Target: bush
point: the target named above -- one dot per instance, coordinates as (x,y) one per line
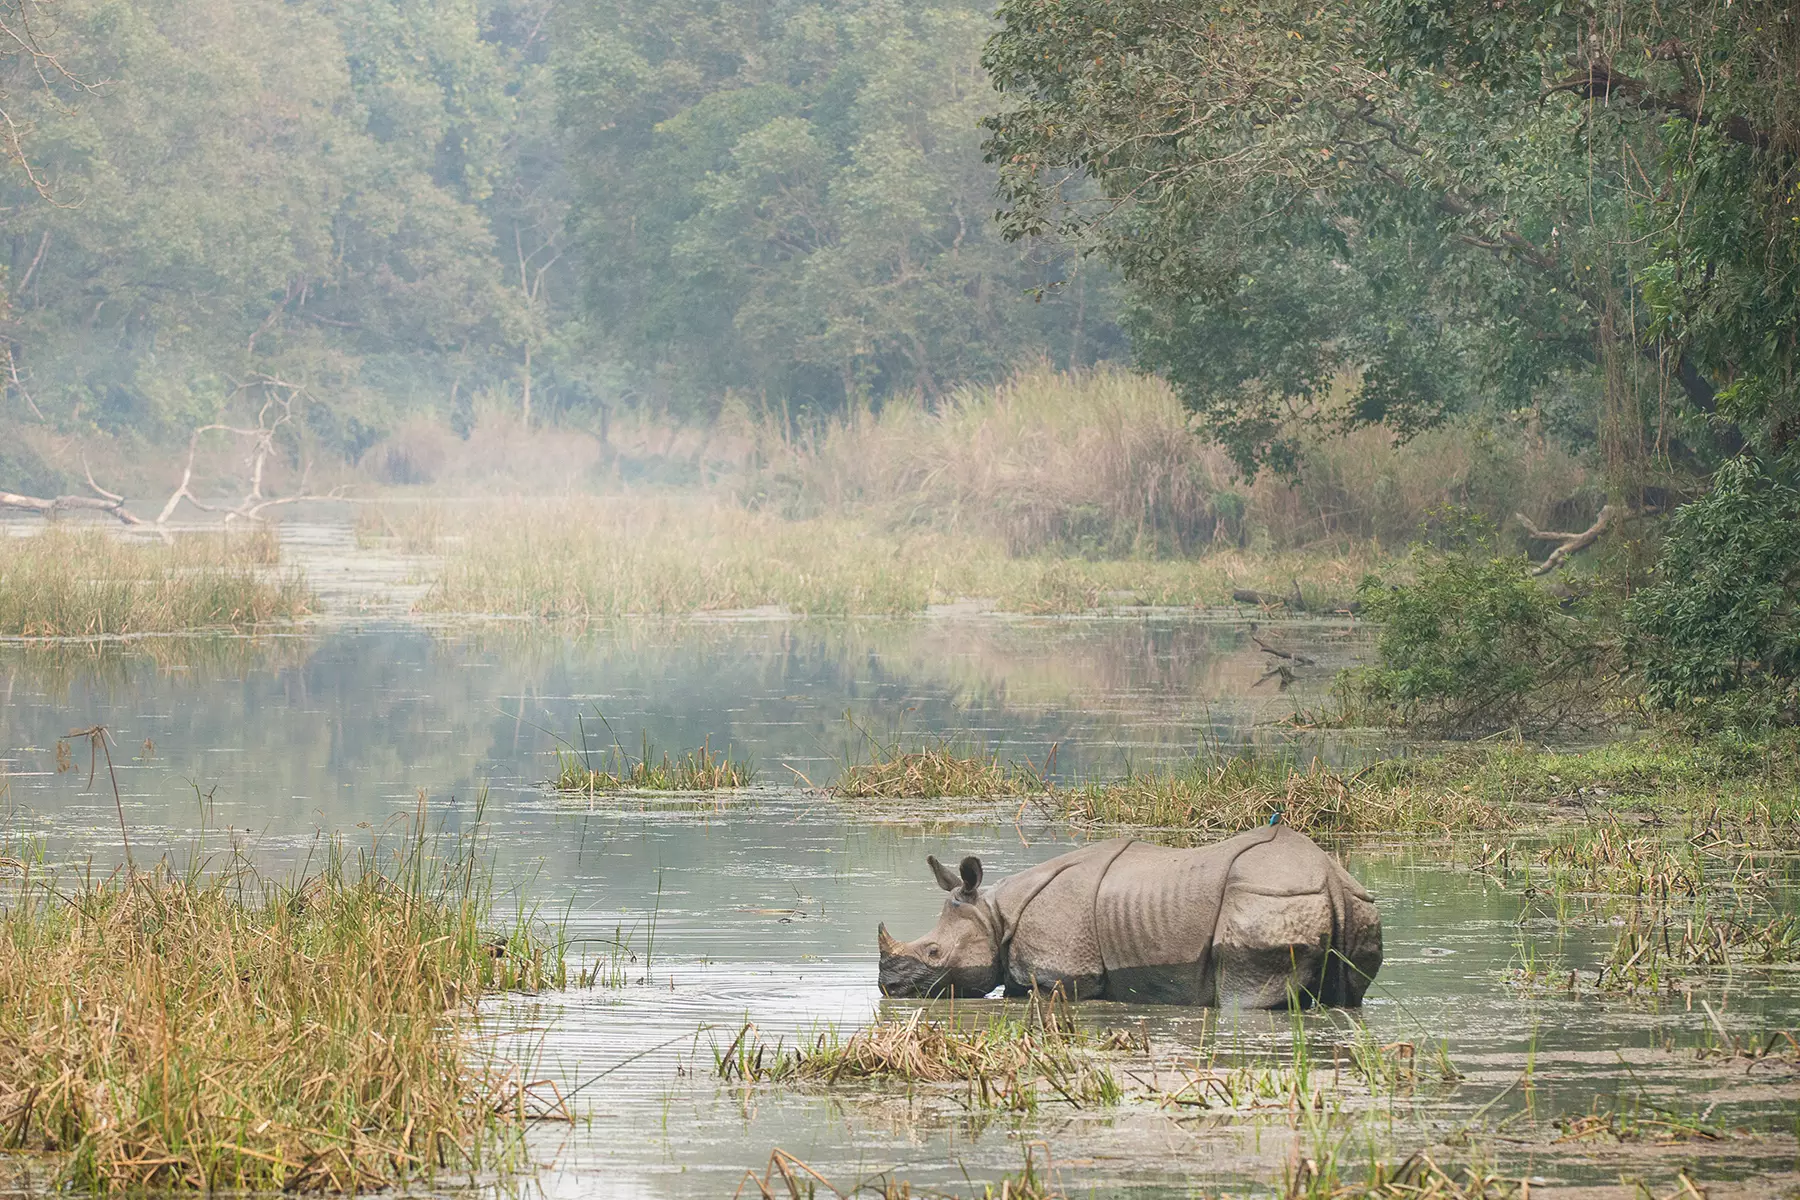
(1717,636)
(1477,643)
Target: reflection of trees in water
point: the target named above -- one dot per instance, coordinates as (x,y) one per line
(342,727)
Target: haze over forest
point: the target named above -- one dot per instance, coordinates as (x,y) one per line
(405,205)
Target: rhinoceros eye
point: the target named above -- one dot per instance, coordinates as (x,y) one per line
(932,952)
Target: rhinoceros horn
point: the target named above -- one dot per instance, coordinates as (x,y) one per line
(886,940)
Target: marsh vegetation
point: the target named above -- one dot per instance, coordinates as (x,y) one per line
(85,583)
(208,1027)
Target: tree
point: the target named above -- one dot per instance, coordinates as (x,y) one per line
(789,199)
(1452,199)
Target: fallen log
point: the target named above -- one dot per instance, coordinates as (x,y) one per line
(106,502)
(1572,543)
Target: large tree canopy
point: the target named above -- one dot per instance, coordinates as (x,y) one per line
(1458,203)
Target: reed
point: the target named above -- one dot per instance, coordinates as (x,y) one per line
(789,1177)
(409,528)
(695,771)
(213,1029)
(1213,795)
(1419,1177)
(1107,462)
(586,559)
(89,583)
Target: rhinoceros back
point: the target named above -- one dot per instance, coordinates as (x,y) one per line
(1157,915)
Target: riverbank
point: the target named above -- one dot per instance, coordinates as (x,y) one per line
(208,1028)
(90,583)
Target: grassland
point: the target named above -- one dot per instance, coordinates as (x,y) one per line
(214,1030)
(90,583)
(1047,493)
(587,559)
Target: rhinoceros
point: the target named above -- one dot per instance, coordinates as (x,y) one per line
(1260,920)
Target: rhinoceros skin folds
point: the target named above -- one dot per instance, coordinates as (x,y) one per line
(1261,920)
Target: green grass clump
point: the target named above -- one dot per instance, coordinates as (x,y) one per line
(88,583)
(1214,796)
(696,771)
(212,1031)
(934,772)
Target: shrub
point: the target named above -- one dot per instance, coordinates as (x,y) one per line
(1717,635)
(1475,643)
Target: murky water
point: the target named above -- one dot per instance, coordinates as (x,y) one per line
(762,907)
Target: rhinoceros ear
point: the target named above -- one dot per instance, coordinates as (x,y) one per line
(946,878)
(971,875)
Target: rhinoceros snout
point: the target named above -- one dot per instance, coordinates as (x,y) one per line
(902,974)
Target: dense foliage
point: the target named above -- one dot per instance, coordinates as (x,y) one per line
(1718,633)
(397,206)
(1476,643)
(328,194)
(788,198)
(1524,206)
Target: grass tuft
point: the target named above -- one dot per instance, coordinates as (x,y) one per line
(217,1030)
(1010,1062)
(88,583)
(936,771)
(696,771)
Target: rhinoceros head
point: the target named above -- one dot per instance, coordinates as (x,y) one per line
(961,954)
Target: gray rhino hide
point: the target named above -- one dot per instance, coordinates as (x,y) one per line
(1242,923)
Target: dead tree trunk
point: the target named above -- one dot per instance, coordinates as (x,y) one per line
(1572,543)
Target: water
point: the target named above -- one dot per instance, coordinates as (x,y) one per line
(762,907)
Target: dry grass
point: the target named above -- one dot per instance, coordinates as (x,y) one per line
(409,528)
(1010,1062)
(1418,1178)
(211,1031)
(1212,795)
(591,558)
(89,583)
(938,770)
(1107,462)
(789,1177)
(1104,461)
(1225,795)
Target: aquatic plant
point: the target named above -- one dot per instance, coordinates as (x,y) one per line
(1639,1120)
(788,1175)
(1219,794)
(936,770)
(91,583)
(1419,1177)
(695,771)
(210,1028)
(410,528)
(1008,1062)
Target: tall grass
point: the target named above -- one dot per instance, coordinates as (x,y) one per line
(1107,463)
(589,558)
(89,583)
(218,1030)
